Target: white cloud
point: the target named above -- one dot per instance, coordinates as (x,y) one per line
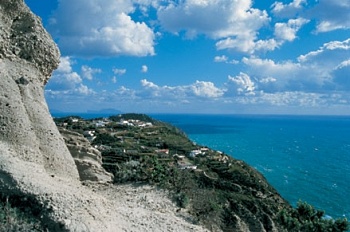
(343,64)
(268,67)
(222,58)
(64,78)
(65,65)
(88,72)
(234,23)
(83,89)
(287,31)
(240,85)
(206,89)
(114,79)
(332,15)
(266,45)
(282,76)
(120,72)
(100,28)
(149,85)
(340,75)
(325,69)
(329,54)
(65,81)
(200,89)
(267,80)
(144,69)
(288,10)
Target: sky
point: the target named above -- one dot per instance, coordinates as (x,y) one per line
(199,56)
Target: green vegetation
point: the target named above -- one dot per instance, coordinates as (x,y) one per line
(17,218)
(214,188)
(306,218)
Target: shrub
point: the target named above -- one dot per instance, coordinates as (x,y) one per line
(306,218)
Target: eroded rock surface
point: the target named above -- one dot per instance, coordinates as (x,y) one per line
(87,158)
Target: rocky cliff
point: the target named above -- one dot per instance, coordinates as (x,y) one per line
(35,165)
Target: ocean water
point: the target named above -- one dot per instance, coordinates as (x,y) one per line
(304,157)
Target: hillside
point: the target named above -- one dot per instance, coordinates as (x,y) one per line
(56,182)
(217,190)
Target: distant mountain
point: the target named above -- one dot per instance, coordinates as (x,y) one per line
(87,114)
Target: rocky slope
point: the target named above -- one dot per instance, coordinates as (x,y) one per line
(217,190)
(35,165)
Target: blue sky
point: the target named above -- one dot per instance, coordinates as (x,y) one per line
(200,56)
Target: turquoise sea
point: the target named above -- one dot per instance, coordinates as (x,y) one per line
(304,157)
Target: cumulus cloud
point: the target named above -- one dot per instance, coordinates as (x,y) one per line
(88,72)
(327,58)
(201,89)
(282,76)
(287,31)
(65,65)
(144,68)
(206,89)
(234,23)
(288,10)
(149,85)
(240,85)
(222,58)
(100,28)
(64,78)
(266,45)
(316,71)
(65,81)
(332,15)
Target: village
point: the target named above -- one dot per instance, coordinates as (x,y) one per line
(129,138)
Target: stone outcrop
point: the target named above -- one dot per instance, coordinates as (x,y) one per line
(87,158)
(35,163)
(27,58)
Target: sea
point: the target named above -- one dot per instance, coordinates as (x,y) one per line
(305,158)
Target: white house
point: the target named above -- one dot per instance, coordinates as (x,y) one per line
(194,153)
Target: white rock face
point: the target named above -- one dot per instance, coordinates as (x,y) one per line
(87,159)
(27,58)
(35,163)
